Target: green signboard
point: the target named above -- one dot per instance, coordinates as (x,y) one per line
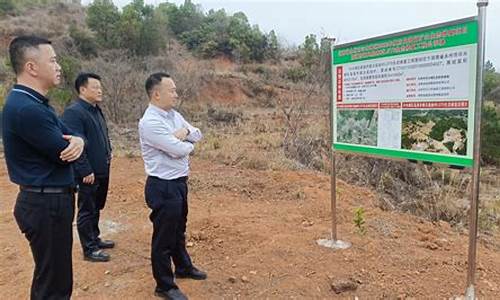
(408,95)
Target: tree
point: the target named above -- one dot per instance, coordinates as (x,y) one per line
(273,49)
(239,36)
(139,28)
(153,33)
(142,29)
(129,25)
(488,67)
(103,17)
(248,42)
(211,38)
(491,79)
(490,131)
(257,42)
(309,52)
(232,36)
(185,18)
(83,40)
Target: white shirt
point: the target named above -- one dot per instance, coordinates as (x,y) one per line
(164,155)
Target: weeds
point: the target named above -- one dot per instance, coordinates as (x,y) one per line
(359,220)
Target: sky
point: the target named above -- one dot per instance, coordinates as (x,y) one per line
(351,20)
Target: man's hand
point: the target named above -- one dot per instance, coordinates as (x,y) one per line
(181,134)
(74,149)
(89,179)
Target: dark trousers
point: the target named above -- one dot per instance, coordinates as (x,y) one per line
(91,200)
(46,221)
(168,202)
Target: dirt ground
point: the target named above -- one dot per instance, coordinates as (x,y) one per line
(255,234)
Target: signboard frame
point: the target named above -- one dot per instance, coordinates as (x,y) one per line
(395,49)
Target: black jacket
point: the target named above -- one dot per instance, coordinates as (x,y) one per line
(32,138)
(88,122)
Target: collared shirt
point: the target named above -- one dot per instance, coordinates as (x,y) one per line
(32,138)
(165,156)
(88,121)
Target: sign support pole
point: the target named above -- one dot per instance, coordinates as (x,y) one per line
(474,197)
(333,242)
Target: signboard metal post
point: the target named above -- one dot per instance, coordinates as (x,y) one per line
(474,208)
(333,242)
(333,180)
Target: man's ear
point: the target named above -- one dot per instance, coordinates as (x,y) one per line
(31,68)
(156,94)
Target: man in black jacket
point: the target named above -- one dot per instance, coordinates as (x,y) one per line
(39,150)
(85,117)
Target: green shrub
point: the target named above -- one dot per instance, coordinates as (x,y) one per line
(84,41)
(3,94)
(7,6)
(59,98)
(490,131)
(296,74)
(70,68)
(359,220)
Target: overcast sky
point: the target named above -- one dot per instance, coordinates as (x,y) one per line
(351,20)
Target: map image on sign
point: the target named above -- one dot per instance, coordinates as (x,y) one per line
(435,131)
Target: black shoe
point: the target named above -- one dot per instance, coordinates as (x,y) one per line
(192,273)
(96,256)
(172,294)
(105,244)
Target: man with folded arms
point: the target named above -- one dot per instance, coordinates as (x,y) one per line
(39,150)
(166,142)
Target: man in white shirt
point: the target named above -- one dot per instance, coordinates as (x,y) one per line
(166,142)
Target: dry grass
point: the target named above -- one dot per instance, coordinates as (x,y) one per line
(51,21)
(249,143)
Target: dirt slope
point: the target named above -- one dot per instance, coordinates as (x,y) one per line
(254,232)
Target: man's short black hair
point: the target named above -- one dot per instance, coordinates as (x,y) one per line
(154,80)
(83,78)
(18,48)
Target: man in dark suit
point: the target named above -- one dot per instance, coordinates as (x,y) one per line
(38,150)
(85,117)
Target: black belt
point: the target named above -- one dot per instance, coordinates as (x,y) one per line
(179,179)
(47,189)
